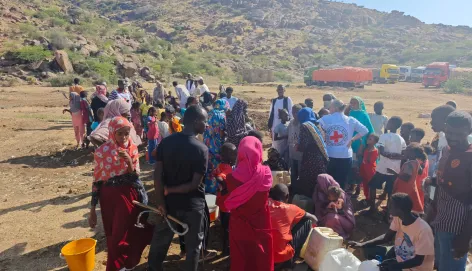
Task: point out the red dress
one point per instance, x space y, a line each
250 233
409 187
367 169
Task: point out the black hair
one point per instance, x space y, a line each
443 111
402 201
228 149
152 108
163 115
190 100
76 81
230 89
379 103
136 104
452 103
428 149
257 134
418 131
192 114
121 82
459 119
328 97
334 190
175 83
297 107
83 94
281 87
418 151
323 112
376 136
397 121
303 105
308 100
410 126
159 105
279 192
222 95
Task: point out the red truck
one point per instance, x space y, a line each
436 74
343 77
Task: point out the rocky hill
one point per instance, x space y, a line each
105 39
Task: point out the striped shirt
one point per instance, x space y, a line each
114 95
451 213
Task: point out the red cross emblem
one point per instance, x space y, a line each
336 137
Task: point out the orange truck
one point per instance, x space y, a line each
343 77
436 74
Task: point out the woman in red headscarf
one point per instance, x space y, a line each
249 226
115 185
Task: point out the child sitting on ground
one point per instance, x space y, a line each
369 163
291 226
275 161
416 135
152 134
136 118
100 114
229 154
281 134
336 202
412 237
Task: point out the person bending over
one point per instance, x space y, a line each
414 241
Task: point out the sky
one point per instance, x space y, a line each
449 12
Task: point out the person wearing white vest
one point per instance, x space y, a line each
339 130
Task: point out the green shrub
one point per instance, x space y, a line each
64 80
284 64
283 76
104 68
59 39
454 86
58 22
30 54
30 30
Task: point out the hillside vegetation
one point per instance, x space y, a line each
219 37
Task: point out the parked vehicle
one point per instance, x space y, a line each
436 74
343 77
405 74
308 75
417 74
388 73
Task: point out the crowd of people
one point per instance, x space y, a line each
202 142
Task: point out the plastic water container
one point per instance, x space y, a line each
339 260
80 254
214 209
303 250
322 240
371 265
304 202
280 177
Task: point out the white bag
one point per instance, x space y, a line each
371 265
322 240
339 260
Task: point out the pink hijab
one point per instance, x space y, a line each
250 171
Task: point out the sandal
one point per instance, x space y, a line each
208 255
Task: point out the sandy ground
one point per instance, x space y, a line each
45 185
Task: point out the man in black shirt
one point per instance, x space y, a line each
178 179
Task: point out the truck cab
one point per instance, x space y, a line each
405 74
436 74
308 75
417 74
388 73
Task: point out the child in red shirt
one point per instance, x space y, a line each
152 134
229 154
369 163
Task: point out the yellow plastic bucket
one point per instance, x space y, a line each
80 254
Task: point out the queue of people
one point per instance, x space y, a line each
200 143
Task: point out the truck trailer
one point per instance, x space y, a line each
343 77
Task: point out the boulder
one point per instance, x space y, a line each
127 67
89 49
62 59
81 40
424 115
145 72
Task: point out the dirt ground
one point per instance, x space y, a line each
45 185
